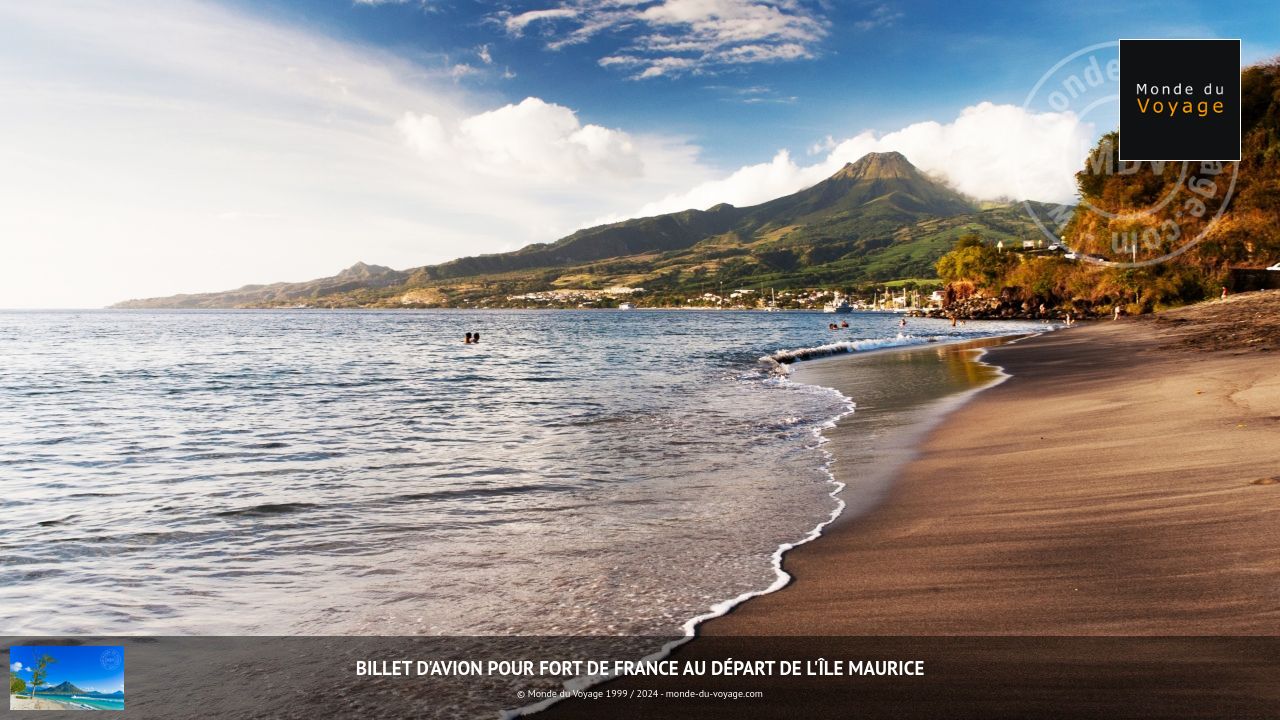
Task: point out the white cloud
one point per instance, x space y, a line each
483 53
461 70
177 146
990 151
677 37
15 667
533 140
516 24
882 15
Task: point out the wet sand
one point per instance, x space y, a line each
1124 481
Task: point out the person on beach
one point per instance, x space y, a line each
1116 316
468 340
1069 320
1224 292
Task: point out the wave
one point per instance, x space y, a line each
689 630
786 357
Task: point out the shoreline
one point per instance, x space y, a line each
924 417
1012 454
42 702
919 415
1120 485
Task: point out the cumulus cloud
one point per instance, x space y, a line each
677 37
15 667
533 140
989 152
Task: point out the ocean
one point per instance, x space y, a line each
366 473
93 703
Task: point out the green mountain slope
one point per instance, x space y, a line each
879 218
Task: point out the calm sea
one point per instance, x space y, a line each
256 472
94 703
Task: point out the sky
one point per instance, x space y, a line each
166 146
81 665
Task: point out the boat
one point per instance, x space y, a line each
626 306
772 305
839 305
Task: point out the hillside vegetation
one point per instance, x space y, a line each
1247 235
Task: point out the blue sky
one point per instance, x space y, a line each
167 146
81 665
879 65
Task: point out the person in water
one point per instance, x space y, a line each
902 322
844 323
468 340
475 338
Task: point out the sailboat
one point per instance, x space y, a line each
772 305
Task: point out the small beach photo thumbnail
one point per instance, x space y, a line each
66 677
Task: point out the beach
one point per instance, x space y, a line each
1122 481
24 702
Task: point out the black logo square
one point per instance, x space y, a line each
1179 100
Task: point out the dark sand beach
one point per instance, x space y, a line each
1124 481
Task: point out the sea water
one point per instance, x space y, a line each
94 703
362 472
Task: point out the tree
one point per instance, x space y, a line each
40 673
972 260
16 684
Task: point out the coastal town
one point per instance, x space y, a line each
918 297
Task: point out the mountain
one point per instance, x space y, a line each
879 185
879 218
63 688
357 277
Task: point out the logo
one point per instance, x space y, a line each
1180 99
